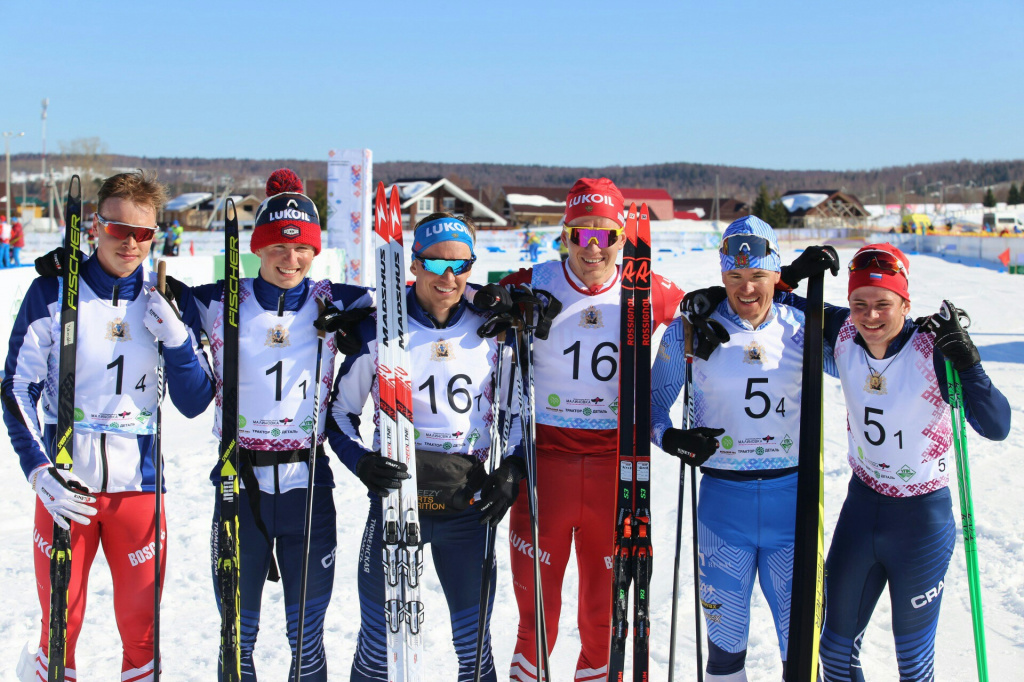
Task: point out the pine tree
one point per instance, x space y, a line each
762 204
779 214
990 199
1013 196
770 209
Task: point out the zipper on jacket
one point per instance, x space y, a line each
113 298
103 461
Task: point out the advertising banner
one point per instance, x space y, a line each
349 215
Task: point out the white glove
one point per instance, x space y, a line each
63 495
163 320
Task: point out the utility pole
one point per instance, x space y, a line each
7 154
716 214
46 196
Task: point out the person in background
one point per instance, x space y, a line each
5 239
17 242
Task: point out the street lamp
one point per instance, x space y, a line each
7 153
903 191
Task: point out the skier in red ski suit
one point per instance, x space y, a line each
576 398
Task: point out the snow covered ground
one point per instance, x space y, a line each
190 619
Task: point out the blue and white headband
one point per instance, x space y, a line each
751 225
441 230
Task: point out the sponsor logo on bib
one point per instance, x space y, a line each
906 473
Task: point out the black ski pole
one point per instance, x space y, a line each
499 441
698 638
523 349
308 522
158 478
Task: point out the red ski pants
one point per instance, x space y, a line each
124 525
575 501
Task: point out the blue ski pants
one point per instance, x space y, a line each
457 545
905 542
284 515
745 530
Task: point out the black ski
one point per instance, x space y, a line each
807 600
632 554
622 574
642 549
227 527
60 550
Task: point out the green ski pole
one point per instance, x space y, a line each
963 474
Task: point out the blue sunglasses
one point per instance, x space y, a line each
439 266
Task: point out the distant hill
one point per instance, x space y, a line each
964 180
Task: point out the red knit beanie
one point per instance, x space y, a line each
590 197
873 276
286 216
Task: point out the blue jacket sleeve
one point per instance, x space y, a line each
348 296
26 370
835 318
189 376
667 377
351 387
985 407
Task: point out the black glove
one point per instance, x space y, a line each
497 324
494 298
693 446
545 308
500 489
345 325
702 302
51 264
381 474
814 260
708 334
950 337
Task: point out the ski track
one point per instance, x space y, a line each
190 619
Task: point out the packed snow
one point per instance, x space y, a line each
190 618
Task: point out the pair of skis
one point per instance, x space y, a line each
632 558
403 546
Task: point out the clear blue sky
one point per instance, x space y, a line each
782 84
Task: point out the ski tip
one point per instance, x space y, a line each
380 210
73 192
395 209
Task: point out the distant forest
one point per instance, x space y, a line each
962 181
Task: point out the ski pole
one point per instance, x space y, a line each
158 476
963 475
523 346
498 446
679 524
308 521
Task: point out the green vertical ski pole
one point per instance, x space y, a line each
963 474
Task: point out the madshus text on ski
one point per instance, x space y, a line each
534 398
